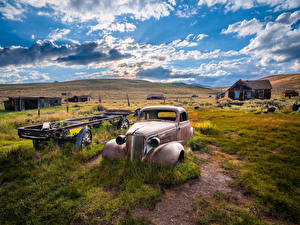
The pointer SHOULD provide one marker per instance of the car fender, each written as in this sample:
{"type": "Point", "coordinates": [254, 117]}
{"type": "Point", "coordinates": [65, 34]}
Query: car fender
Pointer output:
{"type": "Point", "coordinates": [112, 150]}
{"type": "Point", "coordinates": [167, 154]}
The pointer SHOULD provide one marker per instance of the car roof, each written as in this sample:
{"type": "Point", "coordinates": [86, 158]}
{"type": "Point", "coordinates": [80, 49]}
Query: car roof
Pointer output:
{"type": "Point", "coordinates": [164, 107]}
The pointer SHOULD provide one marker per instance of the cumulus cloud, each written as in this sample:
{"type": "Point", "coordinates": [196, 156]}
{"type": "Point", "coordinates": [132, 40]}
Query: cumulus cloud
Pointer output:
{"type": "Point", "coordinates": [234, 5]}
{"type": "Point", "coordinates": [186, 11]}
{"type": "Point", "coordinates": [121, 27]}
{"type": "Point", "coordinates": [200, 37]}
{"type": "Point", "coordinates": [104, 12]}
{"type": "Point", "coordinates": [58, 34]}
{"type": "Point", "coordinates": [277, 42]}
{"type": "Point", "coordinates": [189, 41]}
{"type": "Point", "coordinates": [11, 11]}
{"type": "Point", "coordinates": [20, 76]}
{"type": "Point", "coordinates": [244, 28]}
{"type": "Point", "coordinates": [43, 53]}
{"type": "Point", "coordinates": [196, 54]}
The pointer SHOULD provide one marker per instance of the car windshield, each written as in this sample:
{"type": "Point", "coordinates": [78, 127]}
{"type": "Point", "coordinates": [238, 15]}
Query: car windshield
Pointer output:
{"type": "Point", "coordinates": [158, 115]}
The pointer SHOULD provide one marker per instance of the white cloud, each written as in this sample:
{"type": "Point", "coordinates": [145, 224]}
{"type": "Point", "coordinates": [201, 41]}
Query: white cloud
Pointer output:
{"type": "Point", "coordinates": [200, 37]}
{"type": "Point", "coordinates": [186, 43]}
{"type": "Point", "coordinates": [104, 11]}
{"type": "Point", "coordinates": [244, 28]}
{"type": "Point", "coordinates": [197, 55]}
{"type": "Point", "coordinates": [121, 27]}
{"type": "Point", "coordinates": [172, 2]}
{"type": "Point", "coordinates": [40, 13]}
{"type": "Point", "coordinates": [234, 5]}
{"type": "Point", "coordinates": [14, 75]}
{"type": "Point", "coordinates": [211, 3]}
{"type": "Point", "coordinates": [189, 41]}
{"type": "Point", "coordinates": [186, 11]}
{"type": "Point", "coordinates": [278, 42]}
{"type": "Point", "coordinates": [37, 76]}
{"type": "Point", "coordinates": [58, 34]}
{"type": "Point", "coordinates": [288, 18]}
{"type": "Point", "coordinates": [11, 11]}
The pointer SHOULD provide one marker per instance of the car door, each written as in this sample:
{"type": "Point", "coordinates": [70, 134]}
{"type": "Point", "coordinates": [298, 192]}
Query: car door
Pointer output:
{"type": "Point", "coordinates": [184, 128]}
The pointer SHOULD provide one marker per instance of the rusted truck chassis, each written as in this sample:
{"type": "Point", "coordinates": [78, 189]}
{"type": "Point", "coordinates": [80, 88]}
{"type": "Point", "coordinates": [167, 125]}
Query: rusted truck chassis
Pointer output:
{"type": "Point", "coordinates": [60, 131]}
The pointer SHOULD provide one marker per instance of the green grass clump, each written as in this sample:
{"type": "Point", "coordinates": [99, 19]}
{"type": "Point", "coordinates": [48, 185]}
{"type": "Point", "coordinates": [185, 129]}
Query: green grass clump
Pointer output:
{"type": "Point", "coordinates": [129, 220]}
{"type": "Point", "coordinates": [198, 143]}
{"type": "Point", "coordinates": [206, 127]}
{"type": "Point", "coordinates": [222, 209]}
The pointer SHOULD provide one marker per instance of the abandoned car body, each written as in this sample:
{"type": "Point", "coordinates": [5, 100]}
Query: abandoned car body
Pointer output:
{"type": "Point", "coordinates": [158, 137]}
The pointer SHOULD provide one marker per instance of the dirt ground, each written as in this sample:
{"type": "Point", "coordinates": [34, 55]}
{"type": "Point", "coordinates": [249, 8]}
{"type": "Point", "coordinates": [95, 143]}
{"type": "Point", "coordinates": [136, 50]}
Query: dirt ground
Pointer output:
{"type": "Point", "coordinates": [177, 202]}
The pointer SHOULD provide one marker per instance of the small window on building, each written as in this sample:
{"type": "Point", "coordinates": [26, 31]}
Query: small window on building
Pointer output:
{"type": "Point", "coordinates": [248, 94]}
{"type": "Point", "coordinates": [183, 117]}
{"type": "Point", "coordinates": [236, 94]}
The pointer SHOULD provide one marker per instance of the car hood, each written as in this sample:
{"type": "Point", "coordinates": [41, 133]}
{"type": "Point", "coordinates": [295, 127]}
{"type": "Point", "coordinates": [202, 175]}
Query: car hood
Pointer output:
{"type": "Point", "coordinates": [147, 128]}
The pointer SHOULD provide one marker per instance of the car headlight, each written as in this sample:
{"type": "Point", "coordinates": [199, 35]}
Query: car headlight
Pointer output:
{"type": "Point", "coordinates": [154, 142]}
{"type": "Point", "coordinates": [121, 139]}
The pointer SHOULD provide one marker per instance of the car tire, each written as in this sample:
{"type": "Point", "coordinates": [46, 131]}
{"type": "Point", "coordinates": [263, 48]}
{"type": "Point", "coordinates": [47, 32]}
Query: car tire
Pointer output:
{"type": "Point", "coordinates": [123, 123]}
{"type": "Point", "coordinates": [38, 144]}
{"type": "Point", "coordinates": [83, 138]}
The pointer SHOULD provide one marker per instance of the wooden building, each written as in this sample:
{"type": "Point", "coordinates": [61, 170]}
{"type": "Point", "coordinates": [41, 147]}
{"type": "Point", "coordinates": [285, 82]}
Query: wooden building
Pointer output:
{"type": "Point", "coordinates": [24, 103]}
{"type": "Point", "coordinates": [155, 97]}
{"type": "Point", "coordinates": [80, 98]}
{"type": "Point", "coordinates": [290, 93]}
{"type": "Point", "coordinates": [249, 89]}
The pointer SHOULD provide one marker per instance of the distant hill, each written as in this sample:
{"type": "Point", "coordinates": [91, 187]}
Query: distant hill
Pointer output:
{"type": "Point", "coordinates": [288, 81]}
{"type": "Point", "coordinates": [110, 88]}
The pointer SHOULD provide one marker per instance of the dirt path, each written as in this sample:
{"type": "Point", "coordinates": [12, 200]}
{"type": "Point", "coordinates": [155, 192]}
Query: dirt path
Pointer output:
{"type": "Point", "coordinates": [94, 161]}
{"type": "Point", "coordinates": [177, 202]}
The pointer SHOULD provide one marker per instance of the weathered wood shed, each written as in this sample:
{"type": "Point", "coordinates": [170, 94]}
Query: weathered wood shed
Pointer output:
{"type": "Point", "coordinates": [249, 89]}
{"type": "Point", "coordinates": [24, 103]}
{"type": "Point", "coordinates": [155, 97]}
{"type": "Point", "coordinates": [80, 98]}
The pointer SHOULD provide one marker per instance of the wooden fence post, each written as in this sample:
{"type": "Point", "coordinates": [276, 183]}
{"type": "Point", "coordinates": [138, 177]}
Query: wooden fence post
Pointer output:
{"type": "Point", "coordinates": [100, 100]}
{"type": "Point", "coordinates": [39, 108]}
{"type": "Point", "coordinates": [20, 104]}
{"type": "Point", "coordinates": [128, 100]}
{"type": "Point", "coordinates": [67, 104]}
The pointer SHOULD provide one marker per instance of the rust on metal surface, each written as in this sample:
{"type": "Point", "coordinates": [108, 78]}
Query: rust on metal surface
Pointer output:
{"type": "Point", "coordinates": [158, 136]}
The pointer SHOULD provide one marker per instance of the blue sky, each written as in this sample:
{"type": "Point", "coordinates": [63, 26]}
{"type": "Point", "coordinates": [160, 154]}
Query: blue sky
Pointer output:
{"type": "Point", "coordinates": [208, 42]}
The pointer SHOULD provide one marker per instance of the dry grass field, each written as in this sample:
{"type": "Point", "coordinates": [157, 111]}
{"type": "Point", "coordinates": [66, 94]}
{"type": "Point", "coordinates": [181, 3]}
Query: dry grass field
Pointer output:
{"type": "Point", "coordinates": [107, 88]}
{"type": "Point", "coordinates": [243, 167]}
{"type": "Point", "coordinates": [289, 81]}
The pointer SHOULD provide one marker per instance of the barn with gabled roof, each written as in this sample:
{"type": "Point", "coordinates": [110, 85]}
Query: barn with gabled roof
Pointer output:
{"type": "Point", "coordinates": [248, 89]}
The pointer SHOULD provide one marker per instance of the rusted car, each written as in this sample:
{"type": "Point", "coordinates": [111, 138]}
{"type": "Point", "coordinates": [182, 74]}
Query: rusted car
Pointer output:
{"type": "Point", "coordinates": [158, 137]}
